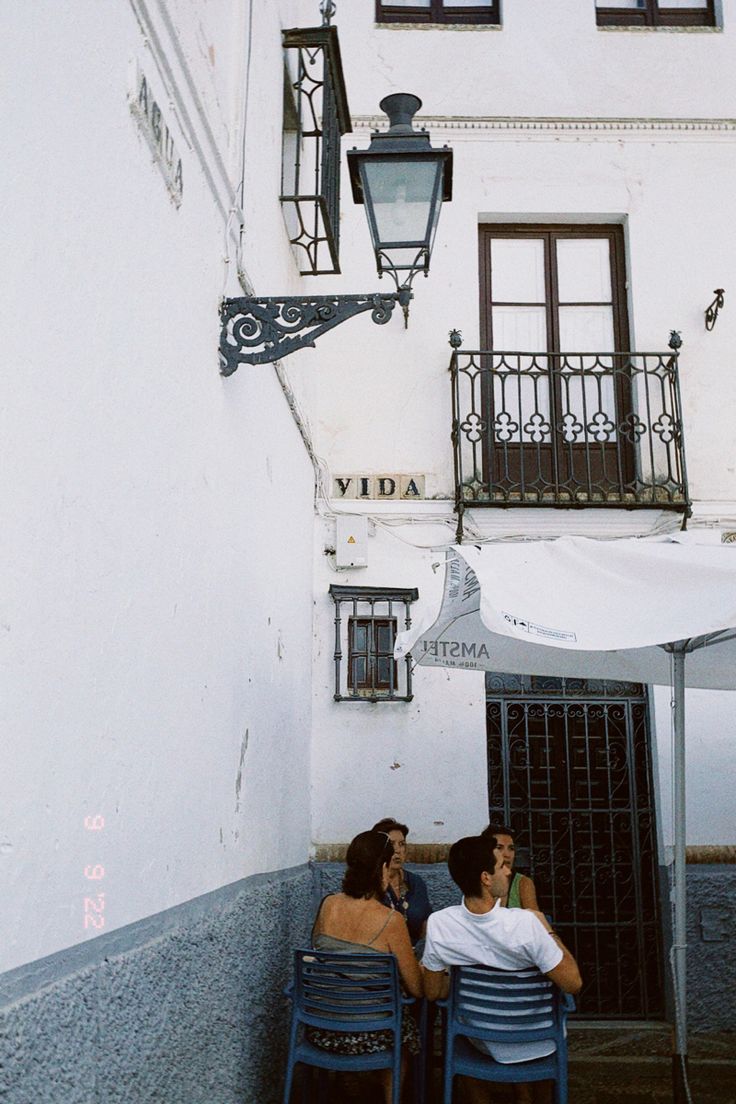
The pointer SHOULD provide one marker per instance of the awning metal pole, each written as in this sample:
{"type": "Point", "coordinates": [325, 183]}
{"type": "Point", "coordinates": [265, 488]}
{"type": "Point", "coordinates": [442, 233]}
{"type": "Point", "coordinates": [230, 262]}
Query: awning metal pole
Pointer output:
{"type": "Point", "coordinates": [680, 897]}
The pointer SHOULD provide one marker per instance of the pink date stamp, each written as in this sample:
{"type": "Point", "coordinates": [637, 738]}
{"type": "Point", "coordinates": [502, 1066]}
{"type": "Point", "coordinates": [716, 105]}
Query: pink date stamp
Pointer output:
{"type": "Point", "coordinates": [94, 906]}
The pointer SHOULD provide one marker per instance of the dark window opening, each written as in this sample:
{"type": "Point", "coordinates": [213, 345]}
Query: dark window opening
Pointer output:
{"type": "Point", "coordinates": [438, 11]}
{"type": "Point", "coordinates": [367, 620]}
{"type": "Point", "coordinates": [655, 13]}
{"type": "Point", "coordinates": [371, 664]}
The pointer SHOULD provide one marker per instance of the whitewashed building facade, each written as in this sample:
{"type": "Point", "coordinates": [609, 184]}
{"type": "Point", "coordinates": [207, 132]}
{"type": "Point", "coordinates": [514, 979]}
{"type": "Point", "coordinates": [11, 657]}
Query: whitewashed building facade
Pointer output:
{"type": "Point", "coordinates": [175, 753]}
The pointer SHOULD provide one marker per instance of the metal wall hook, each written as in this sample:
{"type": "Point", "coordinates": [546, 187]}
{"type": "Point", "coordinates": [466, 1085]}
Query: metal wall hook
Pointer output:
{"type": "Point", "coordinates": [711, 312]}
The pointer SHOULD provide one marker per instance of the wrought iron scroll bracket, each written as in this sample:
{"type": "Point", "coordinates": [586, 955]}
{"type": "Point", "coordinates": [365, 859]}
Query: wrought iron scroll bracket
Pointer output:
{"type": "Point", "coordinates": [260, 331]}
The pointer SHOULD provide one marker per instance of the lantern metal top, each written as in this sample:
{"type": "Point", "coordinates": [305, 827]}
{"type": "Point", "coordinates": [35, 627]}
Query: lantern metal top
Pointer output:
{"type": "Point", "coordinates": [402, 181]}
{"type": "Point", "coordinates": [401, 139]}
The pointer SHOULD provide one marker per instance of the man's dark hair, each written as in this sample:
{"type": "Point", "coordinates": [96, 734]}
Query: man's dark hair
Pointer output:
{"type": "Point", "coordinates": [367, 854]}
{"type": "Point", "coordinates": [495, 829]}
{"type": "Point", "coordinates": [388, 824]}
{"type": "Point", "coordinates": [467, 860]}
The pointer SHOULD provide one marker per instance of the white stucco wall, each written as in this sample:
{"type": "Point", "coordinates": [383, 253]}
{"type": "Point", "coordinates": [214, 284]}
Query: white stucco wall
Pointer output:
{"type": "Point", "coordinates": [156, 611]}
{"type": "Point", "coordinates": [643, 180]}
{"type": "Point", "coordinates": [710, 764]}
{"type": "Point", "coordinates": [161, 557]}
{"type": "Point", "coordinates": [424, 761]}
{"type": "Point", "coordinates": [542, 62]}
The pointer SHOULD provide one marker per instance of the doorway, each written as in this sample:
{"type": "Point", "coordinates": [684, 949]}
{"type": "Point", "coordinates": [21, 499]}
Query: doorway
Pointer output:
{"type": "Point", "coordinates": [570, 772]}
{"type": "Point", "coordinates": [559, 396]}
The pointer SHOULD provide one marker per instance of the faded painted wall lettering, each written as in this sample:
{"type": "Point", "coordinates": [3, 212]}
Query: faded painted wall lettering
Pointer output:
{"type": "Point", "coordinates": [157, 133]}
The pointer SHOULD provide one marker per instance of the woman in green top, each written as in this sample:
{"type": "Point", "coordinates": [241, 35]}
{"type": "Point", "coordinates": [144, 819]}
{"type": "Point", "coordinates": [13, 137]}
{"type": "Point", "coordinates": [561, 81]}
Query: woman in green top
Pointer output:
{"type": "Point", "coordinates": [522, 893]}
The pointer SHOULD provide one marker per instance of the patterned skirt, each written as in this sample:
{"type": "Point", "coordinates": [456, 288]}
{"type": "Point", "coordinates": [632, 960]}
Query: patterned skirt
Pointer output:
{"type": "Point", "coordinates": [365, 1042]}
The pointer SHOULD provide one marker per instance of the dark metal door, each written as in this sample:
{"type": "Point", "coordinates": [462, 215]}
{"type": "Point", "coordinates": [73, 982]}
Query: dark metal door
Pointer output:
{"type": "Point", "coordinates": [569, 769]}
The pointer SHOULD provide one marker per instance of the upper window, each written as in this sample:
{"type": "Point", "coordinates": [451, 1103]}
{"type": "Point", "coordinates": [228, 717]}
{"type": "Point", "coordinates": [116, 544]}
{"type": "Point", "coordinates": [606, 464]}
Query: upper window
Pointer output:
{"type": "Point", "coordinates": [655, 13]}
{"type": "Point", "coordinates": [438, 11]}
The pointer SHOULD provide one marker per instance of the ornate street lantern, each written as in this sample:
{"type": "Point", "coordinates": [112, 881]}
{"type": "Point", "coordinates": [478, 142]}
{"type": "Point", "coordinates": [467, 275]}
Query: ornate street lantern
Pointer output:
{"type": "Point", "coordinates": [402, 182]}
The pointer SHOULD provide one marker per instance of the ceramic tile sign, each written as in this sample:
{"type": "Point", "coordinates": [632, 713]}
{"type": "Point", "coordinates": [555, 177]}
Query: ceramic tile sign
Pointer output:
{"type": "Point", "coordinates": [378, 487]}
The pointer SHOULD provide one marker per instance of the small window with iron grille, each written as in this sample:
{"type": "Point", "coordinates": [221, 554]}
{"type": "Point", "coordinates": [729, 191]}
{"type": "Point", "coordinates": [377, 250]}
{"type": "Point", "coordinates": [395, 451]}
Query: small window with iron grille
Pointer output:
{"type": "Point", "coordinates": [438, 11]}
{"type": "Point", "coordinates": [367, 620]}
{"type": "Point", "coordinates": [655, 13]}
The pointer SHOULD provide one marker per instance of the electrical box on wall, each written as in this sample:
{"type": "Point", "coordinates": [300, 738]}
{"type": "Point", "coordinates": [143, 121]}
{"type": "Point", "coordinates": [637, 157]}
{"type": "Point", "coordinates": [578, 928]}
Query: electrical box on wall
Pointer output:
{"type": "Point", "coordinates": [351, 541]}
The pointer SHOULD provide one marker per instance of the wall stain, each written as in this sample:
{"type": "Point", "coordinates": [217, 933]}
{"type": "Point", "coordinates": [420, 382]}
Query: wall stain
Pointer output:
{"type": "Point", "coordinates": [239, 776]}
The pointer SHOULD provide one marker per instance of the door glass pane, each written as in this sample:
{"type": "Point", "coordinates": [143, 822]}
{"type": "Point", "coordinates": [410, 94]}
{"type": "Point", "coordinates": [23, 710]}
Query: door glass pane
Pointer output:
{"type": "Point", "coordinates": [517, 272]}
{"type": "Point", "coordinates": [521, 383]}
{"type": "Point", "coordinates": [360, 636]}
{"type": "Point", "coordinates": [665, 4]}
{"type": "Point", "coordinates": [383, 639]}
{"type": "Point", "coordinates": [584, 272]}
{"type": "Point", "coordinates": [406, 4]}
{"type": "Point", "coordinates": [519, 328]}
{"type": "Point", "coordinates": [466, 4]}
{"type": "Point", "coordinates": [621, 4]}
{"type": "Point", "coordinates": [587, 388]}
{"type": "Point", "coordinates": [358, 672]}
{"type": "Point", "coordinates": [584, 329]}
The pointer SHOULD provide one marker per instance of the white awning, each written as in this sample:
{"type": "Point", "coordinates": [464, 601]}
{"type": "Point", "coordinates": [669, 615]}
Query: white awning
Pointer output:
{"type": "Point", "coordinates": [584, 608]}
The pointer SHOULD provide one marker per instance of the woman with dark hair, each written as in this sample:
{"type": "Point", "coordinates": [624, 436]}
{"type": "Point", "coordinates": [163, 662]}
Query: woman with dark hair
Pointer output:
{"type": "Point", "coordinates": [522, 893]}
{"type": "Point", "coordinates": [406, 892]}
{"type": "Point", "coordinates": [357, 920]}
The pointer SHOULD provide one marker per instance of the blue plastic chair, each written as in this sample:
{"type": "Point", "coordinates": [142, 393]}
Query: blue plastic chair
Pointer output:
{"type": "Point", "coordinates": [504, 1007]}
{"type": "Point", "coordinates": [345, 991]}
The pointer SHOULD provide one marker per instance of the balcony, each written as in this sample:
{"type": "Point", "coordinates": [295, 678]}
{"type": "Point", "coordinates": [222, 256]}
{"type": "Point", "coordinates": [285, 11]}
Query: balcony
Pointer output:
{"type": "Point", "coordinates": [566, 430]}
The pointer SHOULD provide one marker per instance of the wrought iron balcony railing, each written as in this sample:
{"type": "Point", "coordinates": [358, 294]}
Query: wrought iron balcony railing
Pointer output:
{"type": "Point", "coordinates": [567, 430]}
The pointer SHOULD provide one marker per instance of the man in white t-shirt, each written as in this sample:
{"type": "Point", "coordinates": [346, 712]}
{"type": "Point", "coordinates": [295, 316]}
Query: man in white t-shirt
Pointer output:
{"type": "Point", "coordinates": [480, 931]}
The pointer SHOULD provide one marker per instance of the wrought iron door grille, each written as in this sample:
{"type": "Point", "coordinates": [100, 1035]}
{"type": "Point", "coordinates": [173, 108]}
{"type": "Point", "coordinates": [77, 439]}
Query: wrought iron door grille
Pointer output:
{"type": "Point", "coordinates": [567, 429]}
{"type": "Point", "coordinates": [311, 183]}
{"type": "Point", "coordinates": [366, 620]}
{"type": "Point", "coordinates": [572, 777]}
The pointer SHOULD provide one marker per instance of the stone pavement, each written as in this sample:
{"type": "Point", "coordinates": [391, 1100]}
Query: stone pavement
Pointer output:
{"type": "Point", "coordinates": [626, 1064]}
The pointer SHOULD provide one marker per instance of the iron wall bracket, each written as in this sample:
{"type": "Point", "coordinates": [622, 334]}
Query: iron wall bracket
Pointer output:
{"type": "Point", "coordinates": [260, 331]}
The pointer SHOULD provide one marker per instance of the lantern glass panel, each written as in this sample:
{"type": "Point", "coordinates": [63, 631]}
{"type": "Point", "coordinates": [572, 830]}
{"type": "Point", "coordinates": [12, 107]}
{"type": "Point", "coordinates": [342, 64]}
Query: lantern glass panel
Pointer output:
{"type": "Point", "coordinates": [402, 198]}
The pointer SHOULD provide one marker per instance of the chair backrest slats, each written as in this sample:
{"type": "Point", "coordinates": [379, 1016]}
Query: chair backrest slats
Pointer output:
{"type": "Point", "coordinates": [347, 991]}
{"type": "Point", "coordinates": [497, 1005]}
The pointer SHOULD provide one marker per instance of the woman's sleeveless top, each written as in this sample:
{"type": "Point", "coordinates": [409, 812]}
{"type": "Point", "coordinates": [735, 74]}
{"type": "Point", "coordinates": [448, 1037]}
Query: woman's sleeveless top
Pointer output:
{"type": "Point", "coordinates": [514, 898]}
{"type": "Point", "coordinates": [322, 942]}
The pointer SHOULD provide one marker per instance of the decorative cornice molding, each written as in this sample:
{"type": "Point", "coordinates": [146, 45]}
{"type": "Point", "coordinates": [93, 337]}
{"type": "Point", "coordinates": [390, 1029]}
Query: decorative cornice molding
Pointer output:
{"type": "Point", "coordinates": [543, 124]}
